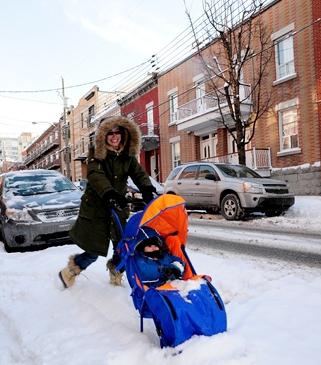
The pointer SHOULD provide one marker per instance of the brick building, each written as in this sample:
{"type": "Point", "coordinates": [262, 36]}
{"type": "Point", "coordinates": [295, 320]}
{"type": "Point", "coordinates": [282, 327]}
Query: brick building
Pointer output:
{"type": "Point", "coordinates": [287, 136]}
{"type": "Point", "coordinates": [141, 105]}
{"type": "Point", "coordinates": [44, 152]}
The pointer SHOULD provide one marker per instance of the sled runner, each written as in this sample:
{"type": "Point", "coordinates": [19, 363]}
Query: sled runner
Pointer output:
{"type": "Point", "coordinates": [179, 308]}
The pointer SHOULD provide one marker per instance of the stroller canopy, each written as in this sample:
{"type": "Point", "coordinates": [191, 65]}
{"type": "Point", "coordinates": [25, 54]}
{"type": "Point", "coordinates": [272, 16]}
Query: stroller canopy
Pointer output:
{"type": "Point", "coordinates": [166, 215]}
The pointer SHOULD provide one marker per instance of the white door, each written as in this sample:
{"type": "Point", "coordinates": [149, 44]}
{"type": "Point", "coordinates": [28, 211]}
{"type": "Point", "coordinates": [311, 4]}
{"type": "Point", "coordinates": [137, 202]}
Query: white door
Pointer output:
{"type": "Point", "coordinates": [153, 166]}
{"type": "Point", "coordinates": [208, 146]}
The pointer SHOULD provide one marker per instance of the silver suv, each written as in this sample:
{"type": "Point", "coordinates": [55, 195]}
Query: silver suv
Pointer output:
{"type": "Point", "coordinates": [233, 189]}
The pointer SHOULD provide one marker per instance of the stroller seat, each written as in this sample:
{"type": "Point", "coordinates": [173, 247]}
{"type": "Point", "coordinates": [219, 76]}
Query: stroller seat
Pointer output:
{"type": "Point", "coordinates": [179, 308]}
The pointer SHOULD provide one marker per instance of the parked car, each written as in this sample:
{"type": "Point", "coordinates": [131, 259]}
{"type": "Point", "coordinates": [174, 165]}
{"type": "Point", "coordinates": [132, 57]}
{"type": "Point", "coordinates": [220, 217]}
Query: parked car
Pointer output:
{"type": "Point", "coordinates": [36, 207]}
{"type": "Point", "coordinates": [135, 196]}
{"type": "Point", "coordinates": [233, 189]}
{"type": "Point", "coordinates": [81, 184]}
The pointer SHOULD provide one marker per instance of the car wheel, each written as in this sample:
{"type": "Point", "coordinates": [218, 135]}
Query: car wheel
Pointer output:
{"type": "Point", "coordinates": [231, 208]}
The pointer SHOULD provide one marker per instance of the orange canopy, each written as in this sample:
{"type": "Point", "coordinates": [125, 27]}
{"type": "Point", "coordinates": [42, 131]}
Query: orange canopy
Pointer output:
{"type": "Point", "coordinates": [167, 214]}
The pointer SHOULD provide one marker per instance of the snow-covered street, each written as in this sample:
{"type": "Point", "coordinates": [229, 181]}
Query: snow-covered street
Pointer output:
{"type": "Point", "coordinates": [273, 311]}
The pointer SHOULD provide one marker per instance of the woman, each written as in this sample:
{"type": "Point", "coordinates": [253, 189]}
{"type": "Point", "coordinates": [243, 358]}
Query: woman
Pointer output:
{"type": "Point", "coordinates": [110, 162]}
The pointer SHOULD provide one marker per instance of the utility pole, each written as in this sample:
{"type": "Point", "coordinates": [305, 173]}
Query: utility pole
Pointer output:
{"type": "Point", "coordinates": [65, 132]}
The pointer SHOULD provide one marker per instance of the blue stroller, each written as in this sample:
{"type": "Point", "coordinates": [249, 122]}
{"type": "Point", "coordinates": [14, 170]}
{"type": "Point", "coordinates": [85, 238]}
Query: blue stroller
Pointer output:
{"type": "Point", "coordinates": [177, 316]}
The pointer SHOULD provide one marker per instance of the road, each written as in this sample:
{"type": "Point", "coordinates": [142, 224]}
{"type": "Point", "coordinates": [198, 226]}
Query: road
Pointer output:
{"type": "Point", "coordinates": [300, 248]}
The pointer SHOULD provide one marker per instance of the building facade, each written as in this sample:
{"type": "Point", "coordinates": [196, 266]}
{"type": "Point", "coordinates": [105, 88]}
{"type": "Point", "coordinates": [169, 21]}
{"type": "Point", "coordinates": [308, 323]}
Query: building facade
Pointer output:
{"type": "Point", "coordinates": [141, 105]}
{"type": "Point", "coordinates": [288, 135]}
{"type": "Point", "coordinates": [9, 150]}
{"type": "Point", "coordinates": [44, 152]}
{"type": "Point", "coordinates": [82, 122]}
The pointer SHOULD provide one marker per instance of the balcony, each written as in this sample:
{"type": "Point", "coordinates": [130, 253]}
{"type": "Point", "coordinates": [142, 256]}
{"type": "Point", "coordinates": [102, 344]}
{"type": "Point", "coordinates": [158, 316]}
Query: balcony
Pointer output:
{"type": "Point", "coordinates": [40, 152]}
{"type": "Point", "coordinates": [258, 159]}
{"type": "Point", "coordinates": [150, 136]}
{"type": "Point", "coordinates": [202, 115]}
{"type": "Point", "coordinates": [54, 164]}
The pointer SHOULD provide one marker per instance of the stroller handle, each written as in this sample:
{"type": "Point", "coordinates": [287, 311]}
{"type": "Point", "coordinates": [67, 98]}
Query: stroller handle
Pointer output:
{"type": "Point", "coordinates": [117, 220]}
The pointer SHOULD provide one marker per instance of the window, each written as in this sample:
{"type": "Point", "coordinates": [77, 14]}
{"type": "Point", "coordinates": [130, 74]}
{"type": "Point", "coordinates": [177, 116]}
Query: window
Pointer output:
{"type": "Point", "coordinates": [217, 70]}
{"type": "Point", "coordinates": [284, 57]}
{"type": "Point", "coordinates": [176, 154]}
{"type": "Point", "coordinates": [284, 52]}
{"type": "Point", "coordinates": [91, 113]}
{"type": "Point", "coordinates": [173, 105]}
{"type": "Point", "coordinates": [83, 145]}
{"type": "Point", "coordinates": [288, 128]}
{"type": "Point", "coordinates": [92, 139]}
{"type": "Point", "coordinates": [174, 173]}
{"type": "Point", "coordinates": [200, 93]}
{"type": "Point", "coordinates": [150, 119]}
{"type": "Point", "coordinates": [205, 170]}
{"type": "Point", "coordinates": [82, 120]}
{"type": "Point", "coordinates": [189, 172]}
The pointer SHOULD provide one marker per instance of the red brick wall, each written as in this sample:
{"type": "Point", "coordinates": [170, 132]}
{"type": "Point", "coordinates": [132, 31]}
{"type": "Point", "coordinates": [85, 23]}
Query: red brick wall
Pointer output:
{"type": "Point", "coordinates": [316, 14]}
{"type": "Point", "coordinates": [138, 106]}
{"type": "Point", "coordinates": [303, 87]}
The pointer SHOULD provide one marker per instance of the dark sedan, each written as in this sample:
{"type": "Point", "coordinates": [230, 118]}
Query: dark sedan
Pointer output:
{"type": "Point", "coordinates": [37, 207]}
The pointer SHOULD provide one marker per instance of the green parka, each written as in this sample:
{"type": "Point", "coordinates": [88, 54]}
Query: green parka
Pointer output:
{"type": "Point", "coordinates": [107, 170]}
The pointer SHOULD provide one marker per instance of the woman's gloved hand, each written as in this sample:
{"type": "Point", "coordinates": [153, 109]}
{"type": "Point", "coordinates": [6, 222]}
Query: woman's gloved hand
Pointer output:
{"type": "Point", "coordinates": [148, 193]}
{"type": "Point", "coordinates": [113, 197]}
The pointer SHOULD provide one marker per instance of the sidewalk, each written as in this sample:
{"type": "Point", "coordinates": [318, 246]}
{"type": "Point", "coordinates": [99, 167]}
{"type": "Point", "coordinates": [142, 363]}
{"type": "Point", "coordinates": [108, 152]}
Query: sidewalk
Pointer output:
{"type": "Point", "coordinates": [303, 217]}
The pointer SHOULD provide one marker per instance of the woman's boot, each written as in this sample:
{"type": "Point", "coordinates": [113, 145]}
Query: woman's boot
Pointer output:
{"type": "Point", "coordinates": [69, 273]}
{"type": "Point", "coordinates": [115, 277]}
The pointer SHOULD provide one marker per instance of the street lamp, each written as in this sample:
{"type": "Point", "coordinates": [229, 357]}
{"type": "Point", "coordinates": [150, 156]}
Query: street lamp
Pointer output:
{"type": "Point", "coordinates": [52, 124]}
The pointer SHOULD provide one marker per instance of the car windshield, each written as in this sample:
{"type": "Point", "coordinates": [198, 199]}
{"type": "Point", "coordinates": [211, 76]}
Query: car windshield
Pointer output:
{"type": "Point", "coordinates": [37, 184]}
{"type": "Point", "coordinates": [159, 188]}
{"type": "Point", "coordinates": [237, 171]}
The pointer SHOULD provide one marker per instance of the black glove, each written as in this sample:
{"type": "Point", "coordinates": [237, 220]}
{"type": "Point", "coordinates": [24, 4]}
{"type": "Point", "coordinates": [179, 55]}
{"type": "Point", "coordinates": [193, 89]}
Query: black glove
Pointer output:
{"type": "Point", "coordinates": [147, 193]}
{"type": "Point", "coordinates": [172, 272]}
{"type": "Point", "coordinates": [113, 197]}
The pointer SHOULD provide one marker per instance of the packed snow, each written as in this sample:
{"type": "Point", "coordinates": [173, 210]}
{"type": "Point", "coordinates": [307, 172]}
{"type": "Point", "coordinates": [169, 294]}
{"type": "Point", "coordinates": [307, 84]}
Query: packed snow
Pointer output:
{"type": "Point", "coordinates": [273, 310]}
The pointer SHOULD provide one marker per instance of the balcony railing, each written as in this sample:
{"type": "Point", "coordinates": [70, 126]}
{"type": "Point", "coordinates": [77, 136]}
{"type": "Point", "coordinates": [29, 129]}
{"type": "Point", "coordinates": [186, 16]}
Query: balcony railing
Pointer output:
{"type": "Point", "coordinates": [149, 129]}
{"type": "Point", "coordinates": [210, 102]}
{"type": "Point", "coordinates": [150, 136]}
{"type": "Point", "coordinates": [258, 159]}
{"type": "Point", "coordinates": [40, 151]}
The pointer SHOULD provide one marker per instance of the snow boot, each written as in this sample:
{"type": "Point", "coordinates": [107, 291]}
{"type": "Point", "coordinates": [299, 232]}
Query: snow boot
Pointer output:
{"type": "Point", "coordinates": [69, 273]}
{"type": "Point", "coordinates": [115, 277]}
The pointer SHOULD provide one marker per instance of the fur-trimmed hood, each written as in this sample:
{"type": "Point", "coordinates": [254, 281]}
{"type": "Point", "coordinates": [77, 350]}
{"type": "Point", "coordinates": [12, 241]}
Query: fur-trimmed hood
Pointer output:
{"type": "Point", "coordinates": [131, 138]}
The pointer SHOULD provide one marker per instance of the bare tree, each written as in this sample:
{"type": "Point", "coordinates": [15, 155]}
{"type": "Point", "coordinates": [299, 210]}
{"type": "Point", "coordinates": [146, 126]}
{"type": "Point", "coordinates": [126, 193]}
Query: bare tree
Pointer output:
{"type": "Point", "coordinates": [235, 62]}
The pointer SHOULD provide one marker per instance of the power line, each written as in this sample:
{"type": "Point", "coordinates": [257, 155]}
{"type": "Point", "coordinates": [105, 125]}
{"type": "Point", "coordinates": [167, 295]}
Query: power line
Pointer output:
{"type": "Point", "coordinates": [31, 100]}
{"type": "Point", "coordinates": [74, 86]}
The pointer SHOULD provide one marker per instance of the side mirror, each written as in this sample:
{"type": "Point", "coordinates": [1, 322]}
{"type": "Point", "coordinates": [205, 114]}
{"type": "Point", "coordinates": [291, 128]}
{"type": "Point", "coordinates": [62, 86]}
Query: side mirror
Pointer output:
{"type": "Point", "coordinates": [210, 177]}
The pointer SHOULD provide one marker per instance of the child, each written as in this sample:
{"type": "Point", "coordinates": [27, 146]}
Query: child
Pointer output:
{"type": "Point", "coordinates": [156, 265]}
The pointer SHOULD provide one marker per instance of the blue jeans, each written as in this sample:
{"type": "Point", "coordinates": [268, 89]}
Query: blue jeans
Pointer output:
{"type": "Point", "coordinates": [85, 259]}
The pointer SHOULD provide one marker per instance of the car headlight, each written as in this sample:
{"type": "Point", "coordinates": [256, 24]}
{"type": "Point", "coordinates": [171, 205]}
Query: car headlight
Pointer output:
{"type": "Point", "coordinates": [253, 188]}
{"type": "Point", "coordinates": [19, 215]}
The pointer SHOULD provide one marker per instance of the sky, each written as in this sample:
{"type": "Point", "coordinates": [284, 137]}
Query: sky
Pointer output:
{"type": "Point", "coordinates": [273, 309]}
{"type": "Point", "coordinates": [43, 41]}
